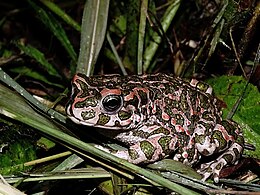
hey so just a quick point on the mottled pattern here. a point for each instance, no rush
(158, 115)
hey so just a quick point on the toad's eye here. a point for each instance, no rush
(112, 103)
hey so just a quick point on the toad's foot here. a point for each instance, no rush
(213, 168)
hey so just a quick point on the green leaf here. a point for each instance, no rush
(172, 165)
(229, 89)
(45, 143)
(131, 42)
(93, 29)
(39, 57)
(24, 70)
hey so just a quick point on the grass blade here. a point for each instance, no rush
(113, 48)
(141, 34)
(56, 9)
(93, 30)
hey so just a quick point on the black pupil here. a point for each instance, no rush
(112, 103)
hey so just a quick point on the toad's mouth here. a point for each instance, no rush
(109, 125)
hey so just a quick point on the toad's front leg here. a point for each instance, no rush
(228, 141)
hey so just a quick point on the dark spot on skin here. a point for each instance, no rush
(160, 130)
(164, 143)
(222, 142)
(167, 101)
(133, 102)
(159, 114)
(228, 158)
(158, 96)
(148, 149)
(86, 115)
(205, 152)
(184, 106)
(80, 104)
(170, 88)
(155, 93)
(143, 96)
(117, 124)
(202, 86)
(191, 153)
(141, 134)
(169, 108)
(123, 115)
(235, 150)
(199, 139)
(219, 166)
(83, 89)
(230, 128)
(133, 154)
(179, 119)
(208, 126)
(183, 139)
(88, 102)
(204, 101)
(92, 102)
(175, 104)
(103, 119)
(207, 116)
(198, 109)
